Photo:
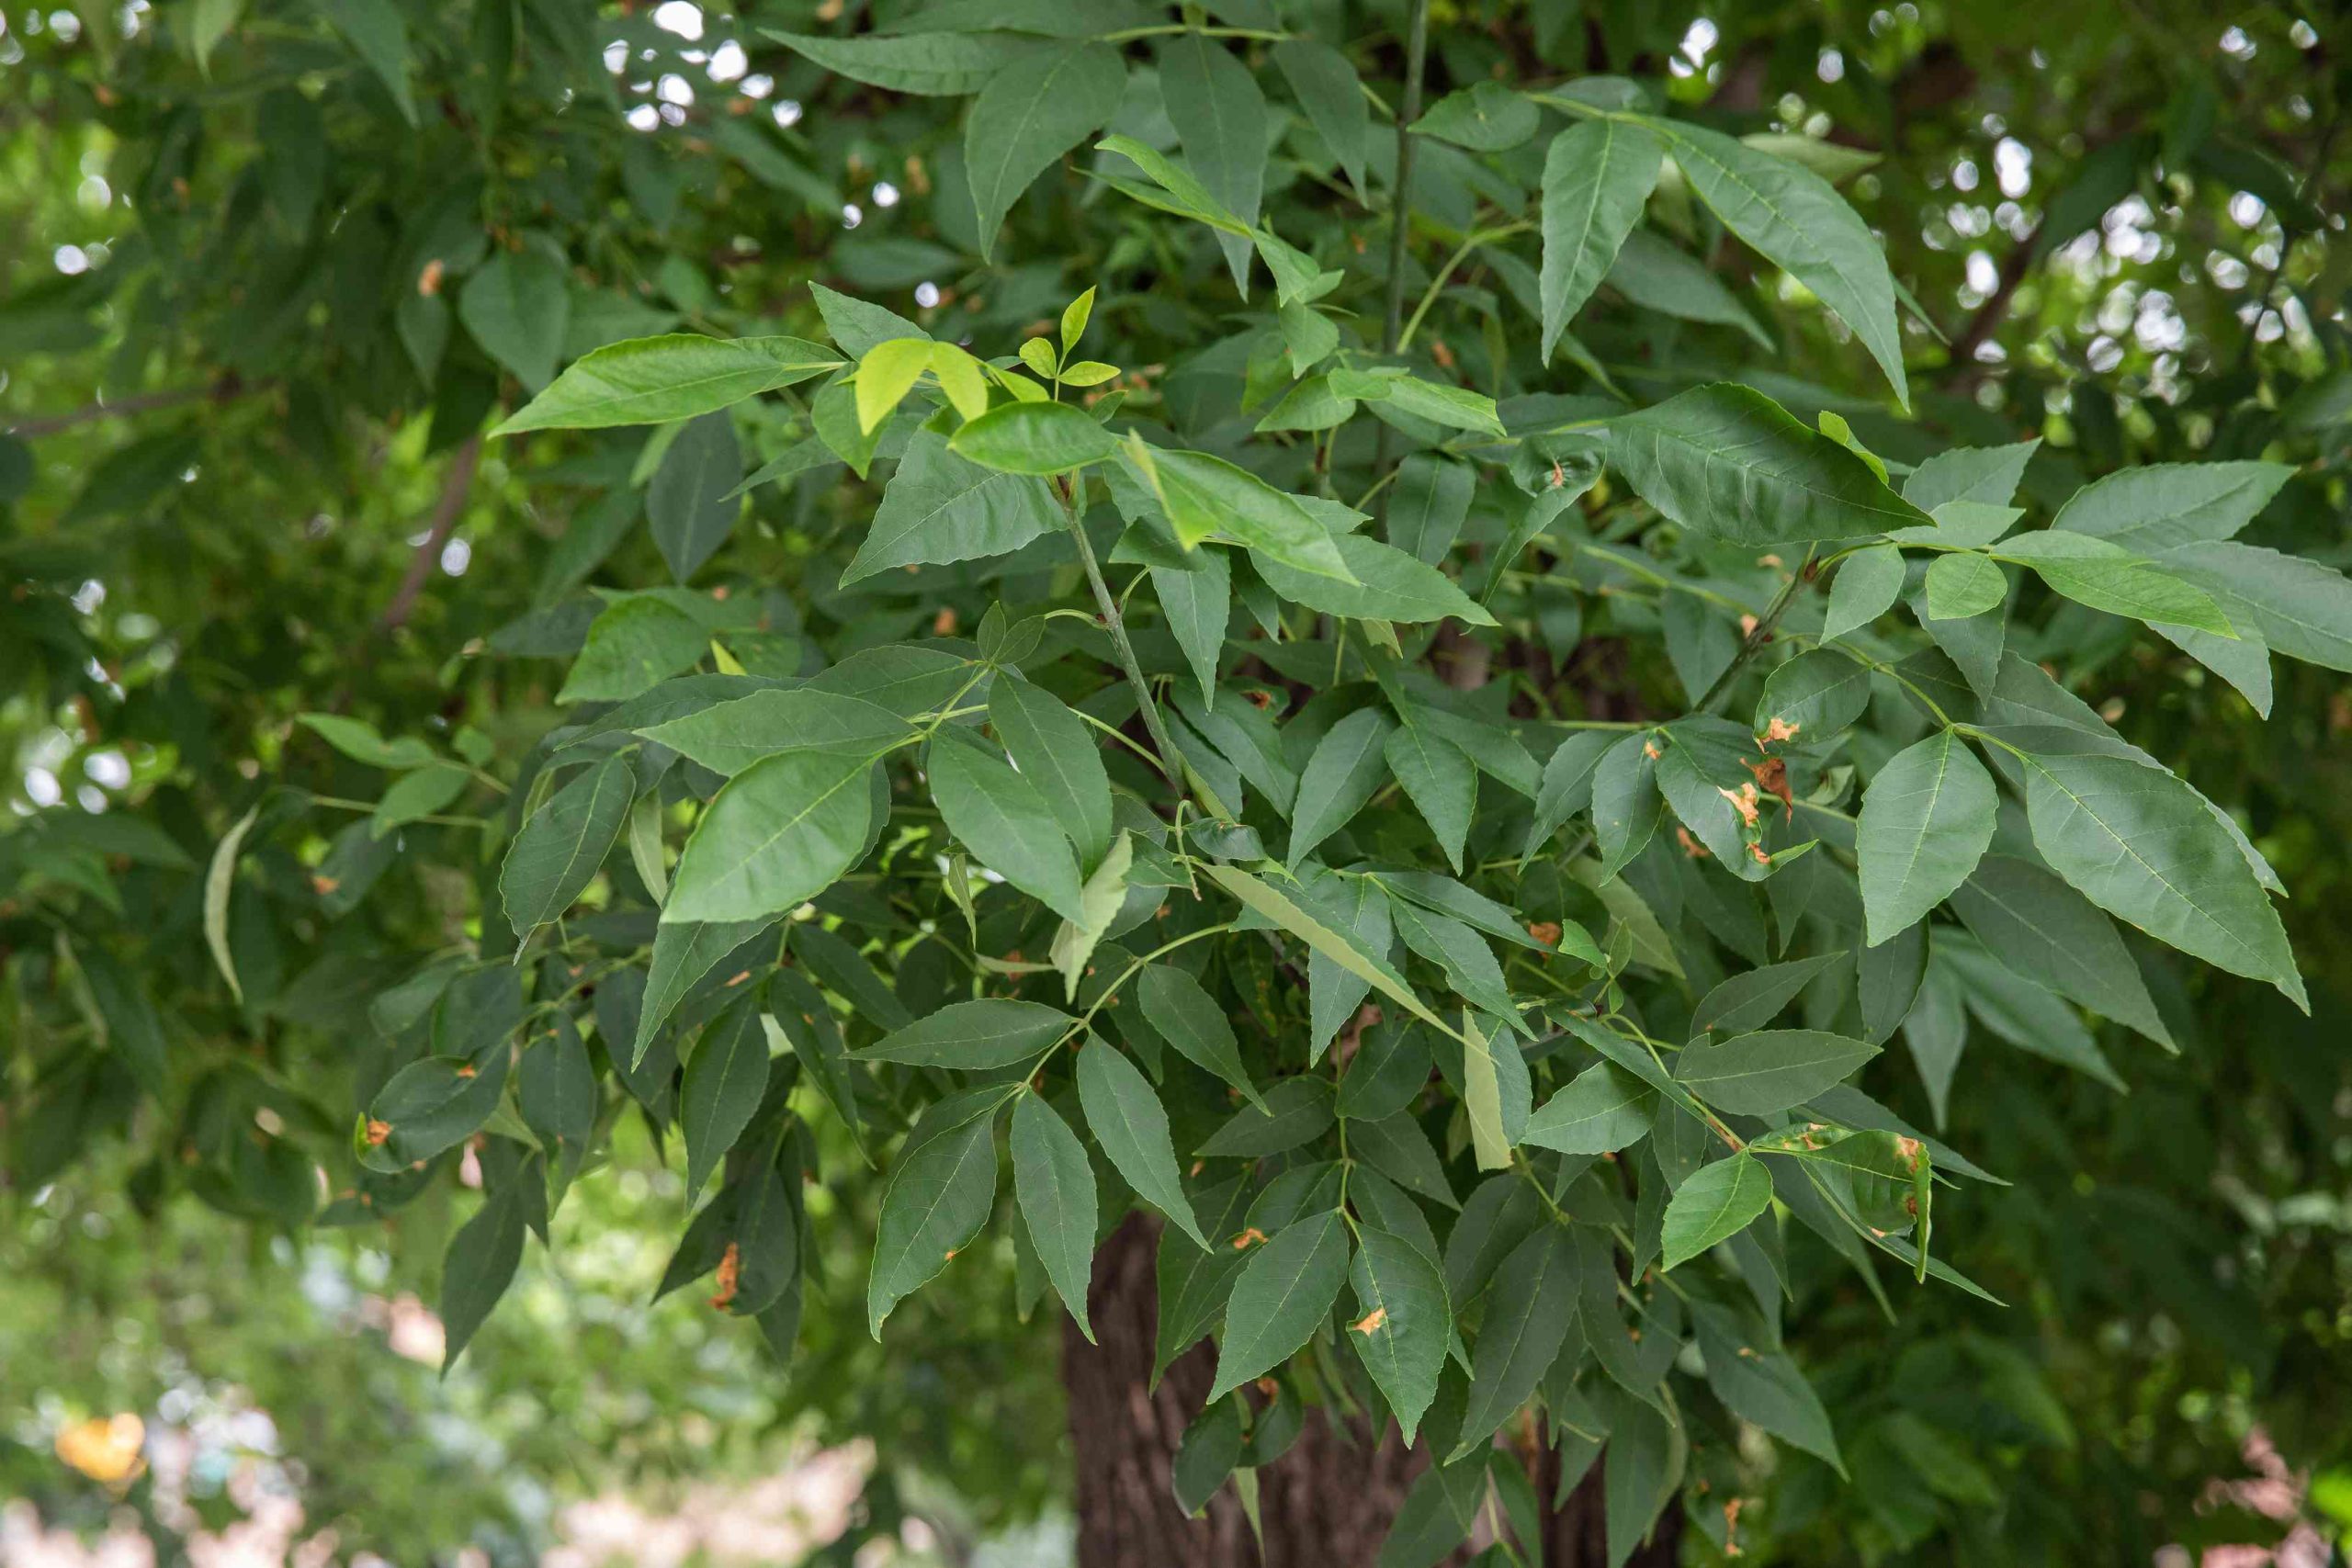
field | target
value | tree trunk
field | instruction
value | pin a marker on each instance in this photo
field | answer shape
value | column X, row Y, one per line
column 1326, row 1503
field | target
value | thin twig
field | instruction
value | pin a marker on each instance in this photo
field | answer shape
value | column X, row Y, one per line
column 1417, row 48
column 445, row 518
column 227, row 387
column 1170, row 761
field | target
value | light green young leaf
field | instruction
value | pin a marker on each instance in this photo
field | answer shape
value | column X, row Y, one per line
column 886, row 374
column 1104, row 895
column 652, row 380
column 1597, row 175
column 559, row 849
column 781, row 831
column 219, row 882
column 1054, row 1185
column 1285, row 1291
column 1925, row 822
column 1032, row 110
column 1715, row 1204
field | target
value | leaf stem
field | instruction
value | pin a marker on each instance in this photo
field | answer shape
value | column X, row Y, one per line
column 1445, row 274
column 1416, row 49
column 1171, row 763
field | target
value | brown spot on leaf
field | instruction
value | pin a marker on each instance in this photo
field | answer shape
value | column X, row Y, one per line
column 428, row 282
column 730, row 1265
column 1369, row 1324
column 1253, row 1237
column 1545, row 931
column 378, row 1133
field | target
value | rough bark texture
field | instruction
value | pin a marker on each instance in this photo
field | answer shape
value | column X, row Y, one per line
column 1326, row 1503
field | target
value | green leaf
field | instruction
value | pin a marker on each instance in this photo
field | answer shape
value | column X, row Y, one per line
column 359, row 742
column 1297, row 1111
column 940, row 1194
column 1180, row 190
column 1654, row 275
column 1220, row 119
column 1752, row 1000
column 940, row 507
column 2300, row 608
column 1055, row 1185
column 683, row 952
column 973, row 1036
column 379, row 32
column 1126, row 1118
column 1985, row 475
column 1184, row 1015
column 1389, row 586
column 557, row 1089
column 1813, row 696
column 437, row 1104
column 1728, row 462
column 632, row 646
column 1715, row 1204
column 1438, row 777
column 1348, row 763
column 691, row 506
column 941, row 64
column 1482, row 1093
column 1328, row 88
column 1926, row 821
column 418, row 795
column 1001, row 816
column 1529, row 1309
column 1033, row 438
column 729, row 736
column 1403, row 1322
column 1602, row 1109
column 1104, row 895
column 1054, row 751
column 1206, row 498
column 2142, row 845
column 1197, row 604
column 516, row 307
column 886, row 374
column 1762, row 1385
column 2107, row 577
column 1271, row 903
column 1285, row 1291
column 1035, row 109
column 560, row 848
column 1865, row 588
column 1484, row 117
column 480, row 1264
column 1598, row 176
column 1625, row 800
column 1455, row 408
column 209, row 21
column 2161, row 506
column 726, row 1077
column 651, row 380
column 1428, row 506
column 1796, row 221
column 2048, row 933
column 1772, row 1069
column 781, row 831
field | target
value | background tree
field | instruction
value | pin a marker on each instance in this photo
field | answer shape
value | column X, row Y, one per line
column 1037, row 563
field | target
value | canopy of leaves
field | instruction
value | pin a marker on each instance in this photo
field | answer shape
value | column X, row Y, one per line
column 1427, row 653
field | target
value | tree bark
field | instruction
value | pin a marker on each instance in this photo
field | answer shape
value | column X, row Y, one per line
column 1326, row 1503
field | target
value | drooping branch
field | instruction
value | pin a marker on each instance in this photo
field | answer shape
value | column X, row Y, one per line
column 446, row 512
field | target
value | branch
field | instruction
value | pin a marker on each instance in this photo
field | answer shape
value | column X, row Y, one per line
column 445, row 518
column 226, row 389
column 1994, row 311
column 1171, row 761
column 1400, row 207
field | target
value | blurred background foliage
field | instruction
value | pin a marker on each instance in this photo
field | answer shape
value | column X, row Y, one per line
column 243, row 319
